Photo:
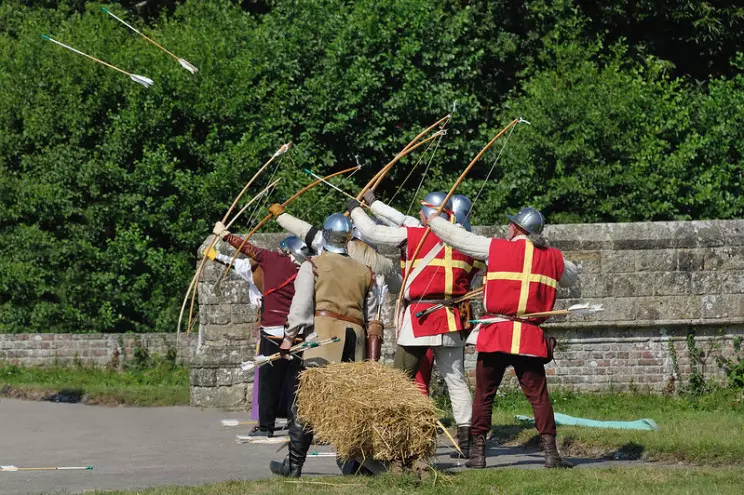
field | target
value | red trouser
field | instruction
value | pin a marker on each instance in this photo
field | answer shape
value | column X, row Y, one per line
column 531, row 375
column 423, row 376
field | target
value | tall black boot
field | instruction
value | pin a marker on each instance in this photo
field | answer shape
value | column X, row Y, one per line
column 552, row 458
column 477, row 452
column 463, row 441
column 299, row 443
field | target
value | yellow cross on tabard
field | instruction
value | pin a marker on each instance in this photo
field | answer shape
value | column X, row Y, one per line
column 526, row 277
column 449, row 264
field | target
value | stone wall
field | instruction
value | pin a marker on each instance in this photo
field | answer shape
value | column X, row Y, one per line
column 99, row 349
column 658, row 281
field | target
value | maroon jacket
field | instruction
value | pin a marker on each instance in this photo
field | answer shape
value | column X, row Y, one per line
column 278, row 283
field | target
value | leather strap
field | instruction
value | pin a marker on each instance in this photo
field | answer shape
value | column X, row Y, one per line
column 280, row 286
column 310, row 237
column 339, row 316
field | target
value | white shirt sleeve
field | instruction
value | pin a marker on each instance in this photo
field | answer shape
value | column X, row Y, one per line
column 300, row 228
column 570, row 274
column 243, row 268
column 302, row 310
column 371, row 303
column 380, row 235
column 385, row 211
column 473, row 245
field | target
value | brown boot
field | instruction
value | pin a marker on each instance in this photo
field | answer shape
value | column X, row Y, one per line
column 552, row 458
column 463, row 441
column 477, row 452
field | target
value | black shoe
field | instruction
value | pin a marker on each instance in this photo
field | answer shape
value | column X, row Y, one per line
column 258, row 432
column 285, row 468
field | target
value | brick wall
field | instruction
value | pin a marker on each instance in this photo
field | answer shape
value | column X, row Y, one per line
column 658, row 282
column 89, row 348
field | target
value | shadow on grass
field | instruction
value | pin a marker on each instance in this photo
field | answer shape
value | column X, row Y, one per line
column 67, row 396
column 507, row 436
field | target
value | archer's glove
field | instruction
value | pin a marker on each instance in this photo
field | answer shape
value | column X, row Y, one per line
column 220, row 230
column 276, row 209
column 210, row 253
column 353, row 203
column 369, row 197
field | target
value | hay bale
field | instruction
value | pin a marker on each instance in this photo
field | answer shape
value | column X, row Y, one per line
column 368, row 410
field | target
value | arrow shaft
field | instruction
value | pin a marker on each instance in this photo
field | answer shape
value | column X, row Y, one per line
column 333, row 186
column 88, row 56
column 139, row 32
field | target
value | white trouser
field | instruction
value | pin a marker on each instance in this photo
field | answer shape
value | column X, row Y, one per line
column 451, row 364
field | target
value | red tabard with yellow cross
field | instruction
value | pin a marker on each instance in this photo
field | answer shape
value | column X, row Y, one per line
column 521, row 279
column 447, row 275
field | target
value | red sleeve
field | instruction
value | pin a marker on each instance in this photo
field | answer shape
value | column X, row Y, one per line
column 254, row 252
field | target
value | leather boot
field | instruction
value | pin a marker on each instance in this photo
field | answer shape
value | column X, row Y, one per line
column 552, row 458
column 463, row 441
column 477, row 452
column 299, row 443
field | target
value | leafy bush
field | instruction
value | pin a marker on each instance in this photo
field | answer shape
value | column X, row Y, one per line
column 106, row 188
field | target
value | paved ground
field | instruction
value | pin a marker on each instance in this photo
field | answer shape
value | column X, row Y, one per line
column 135, row 448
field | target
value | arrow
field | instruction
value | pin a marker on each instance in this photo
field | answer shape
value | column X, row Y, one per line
column 228, row 423
column 144, row 81
column 322, row 180
column 60, row 468
column 470, row 295
column 576, row 309
column 184, row 63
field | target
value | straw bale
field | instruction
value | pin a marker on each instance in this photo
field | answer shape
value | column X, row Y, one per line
column 368, row 410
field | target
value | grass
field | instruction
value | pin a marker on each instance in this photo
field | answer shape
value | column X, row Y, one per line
column 706, row 430
column 158, row 384
column 646, row 480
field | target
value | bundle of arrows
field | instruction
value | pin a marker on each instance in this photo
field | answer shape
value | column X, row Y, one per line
column 261, row 360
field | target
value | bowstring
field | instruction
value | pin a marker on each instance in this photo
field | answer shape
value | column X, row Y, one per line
column 423, row 176
column 493, row 167
column 415, row 166
column 261, row 203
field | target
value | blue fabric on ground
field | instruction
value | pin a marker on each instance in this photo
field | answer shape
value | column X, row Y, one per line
column 565, row 420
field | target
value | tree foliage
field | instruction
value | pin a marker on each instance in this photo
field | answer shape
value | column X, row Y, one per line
column 107, row 189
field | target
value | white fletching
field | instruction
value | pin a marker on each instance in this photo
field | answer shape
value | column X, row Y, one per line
column 8, row 468
column 230, row 423
column 262, row 359
column 586, row 308
column 248, row 365
column 145, row 81
column 283, row 149
column 186, row 65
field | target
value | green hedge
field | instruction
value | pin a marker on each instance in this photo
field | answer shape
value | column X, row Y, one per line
column 106, row 188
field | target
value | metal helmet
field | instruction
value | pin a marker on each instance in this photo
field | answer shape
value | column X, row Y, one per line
column 528, row 219
column 336, row 233
column 432, row 201
column 461, row 207
column 296, row 247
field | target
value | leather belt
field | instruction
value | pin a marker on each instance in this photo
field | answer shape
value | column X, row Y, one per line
column 341, row 317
